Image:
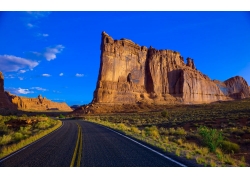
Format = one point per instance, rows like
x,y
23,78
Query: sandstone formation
x,y
38,104
13,102
237,88
5,104
131,74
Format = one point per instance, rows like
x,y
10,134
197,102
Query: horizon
x,y
64,47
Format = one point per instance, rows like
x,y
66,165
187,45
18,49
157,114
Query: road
x,y
81,143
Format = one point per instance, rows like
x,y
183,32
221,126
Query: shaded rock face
x,y
130,73
4,101
40,103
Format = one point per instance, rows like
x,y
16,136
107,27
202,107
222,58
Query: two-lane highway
x,y
98,146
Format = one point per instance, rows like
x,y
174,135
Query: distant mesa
x,y
37,104
130,74
12,102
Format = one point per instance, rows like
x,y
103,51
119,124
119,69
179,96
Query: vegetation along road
x,y
81,143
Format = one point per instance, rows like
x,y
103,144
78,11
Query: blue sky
x,y
57,54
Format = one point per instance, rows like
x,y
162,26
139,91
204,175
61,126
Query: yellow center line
x,y
78,149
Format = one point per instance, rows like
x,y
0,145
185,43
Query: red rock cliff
x,y
40,103
130,73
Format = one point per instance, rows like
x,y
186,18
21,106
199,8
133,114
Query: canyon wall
x,y
36,104
130,74
13,102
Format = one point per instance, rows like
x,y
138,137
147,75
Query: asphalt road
x,y
101,147
55,150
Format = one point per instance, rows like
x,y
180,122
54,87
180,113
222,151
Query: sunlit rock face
x,y
40,103
130,73
13,102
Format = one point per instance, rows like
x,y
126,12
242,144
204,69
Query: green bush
x,y
61,116
5,139
122,127
230,147
17,136
152,132
24,115
212,138
25,130
164,113
42,125
180,131
135,130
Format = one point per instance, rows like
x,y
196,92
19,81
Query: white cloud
x,y
44,35
10,63
22,71
39,88
10,76
54,91
24,91
46,75
30,25
36,53
19,91
51,52
61,74
21,78
37,14
79,75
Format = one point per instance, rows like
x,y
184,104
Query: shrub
x,y
24,115
164,113
171,131
42,125
5,139
122,127
163,131
230,147
152,132
229,160
135,130
165,139
189,155
61,116
212,163
177,152
179,141
17,136
212,138
180,131
25,130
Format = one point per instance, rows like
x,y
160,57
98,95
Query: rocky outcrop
x,y
36,104
13,102
5,104
130,74
237,88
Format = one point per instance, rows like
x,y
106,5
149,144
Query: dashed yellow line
x,y
76,159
